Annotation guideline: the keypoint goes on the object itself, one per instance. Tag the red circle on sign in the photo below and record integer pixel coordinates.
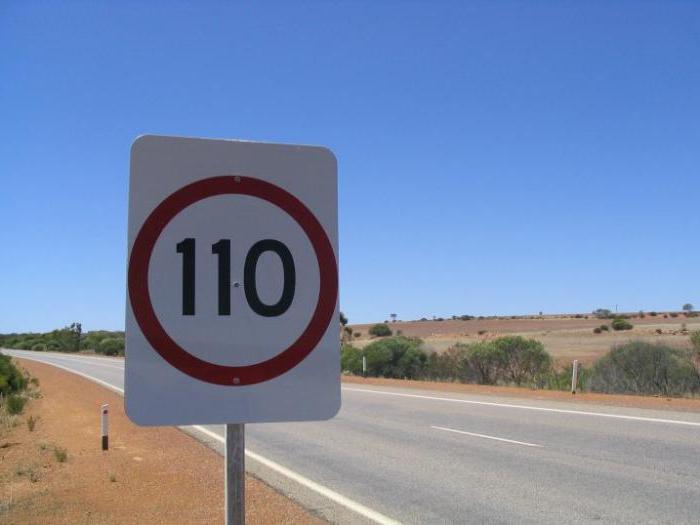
(151, 327)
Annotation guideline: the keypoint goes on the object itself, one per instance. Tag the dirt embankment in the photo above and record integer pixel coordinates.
(149, 475)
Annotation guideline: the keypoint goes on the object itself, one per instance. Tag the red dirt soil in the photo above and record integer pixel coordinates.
(149, 475)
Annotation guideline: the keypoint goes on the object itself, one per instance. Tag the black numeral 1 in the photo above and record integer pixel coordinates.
(223, 250)
(186, 248)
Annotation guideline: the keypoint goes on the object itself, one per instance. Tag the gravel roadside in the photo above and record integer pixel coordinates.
(149, 475)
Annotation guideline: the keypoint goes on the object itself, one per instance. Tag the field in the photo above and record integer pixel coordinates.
(564, 337)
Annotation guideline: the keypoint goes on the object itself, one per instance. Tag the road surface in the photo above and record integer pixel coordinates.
(410, 456)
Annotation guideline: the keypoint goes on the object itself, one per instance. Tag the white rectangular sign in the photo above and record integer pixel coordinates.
(232, 283)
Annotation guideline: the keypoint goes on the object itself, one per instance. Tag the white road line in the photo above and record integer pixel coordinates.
(527, 407)
(73, 371)
(91, 363)
(485, 436)
(306, 482)
(352, 505)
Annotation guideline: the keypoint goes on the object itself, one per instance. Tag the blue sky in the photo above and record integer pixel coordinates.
(494, 157)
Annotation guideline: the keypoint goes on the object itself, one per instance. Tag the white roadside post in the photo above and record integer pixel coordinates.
(232, 289)
(105, 426)
(364, 366)
(574, 376)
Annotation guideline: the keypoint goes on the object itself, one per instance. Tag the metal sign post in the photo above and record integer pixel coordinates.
(235, 474)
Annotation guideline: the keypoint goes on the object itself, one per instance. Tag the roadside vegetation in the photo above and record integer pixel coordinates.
(68, 339)
(636, 367)
(16, 388)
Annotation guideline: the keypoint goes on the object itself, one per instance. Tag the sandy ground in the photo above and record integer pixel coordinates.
(565, 338)
(149, 475)
(654, 402)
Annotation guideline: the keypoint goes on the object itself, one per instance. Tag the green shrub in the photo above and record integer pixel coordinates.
(15, 404)
(485, 363)
(621, 324)
(398, 357)
(604, 328)
(645, 368)
(61, 454)
(380, 330)
(111, 346)
(523, 360)
(11, 379)
(695, 340)
(351, 359)
(561, 379)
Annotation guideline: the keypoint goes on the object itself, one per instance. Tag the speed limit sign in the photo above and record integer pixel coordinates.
(232, 283)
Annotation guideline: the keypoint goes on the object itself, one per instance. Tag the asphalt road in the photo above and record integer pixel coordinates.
(421, 457)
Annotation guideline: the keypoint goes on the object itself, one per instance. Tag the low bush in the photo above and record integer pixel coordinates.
(61, 454)
(605, 328)
(380, 330)
(523, 360)
(11, 379)
(597, 330)
(695, 340)
(15, 404)
(645, 368)
(351, 359)
(111, 346)
(621, 324)
(507, 360)
(398, 357)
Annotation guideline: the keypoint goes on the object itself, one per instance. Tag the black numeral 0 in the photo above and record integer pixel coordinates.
(222, 250)
(251, 287)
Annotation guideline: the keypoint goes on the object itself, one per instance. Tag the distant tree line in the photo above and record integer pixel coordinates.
(636, 367)
(68, 339)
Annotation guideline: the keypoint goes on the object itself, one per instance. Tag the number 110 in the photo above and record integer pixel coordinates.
(222, 249)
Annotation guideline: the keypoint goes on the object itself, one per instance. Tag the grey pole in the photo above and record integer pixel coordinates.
(235, 474)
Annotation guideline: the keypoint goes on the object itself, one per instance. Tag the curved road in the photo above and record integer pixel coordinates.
(409, 456)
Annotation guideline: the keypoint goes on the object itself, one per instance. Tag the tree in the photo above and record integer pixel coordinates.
(687, 307)
(77, 329)
(343, 319)
(380, 330)
(602, 313)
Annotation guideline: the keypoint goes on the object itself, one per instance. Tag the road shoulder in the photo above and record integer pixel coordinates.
(149, 475)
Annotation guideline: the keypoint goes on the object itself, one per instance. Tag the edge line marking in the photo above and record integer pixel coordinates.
(527, 407)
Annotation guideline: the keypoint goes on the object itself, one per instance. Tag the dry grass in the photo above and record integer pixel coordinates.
(565, 338)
